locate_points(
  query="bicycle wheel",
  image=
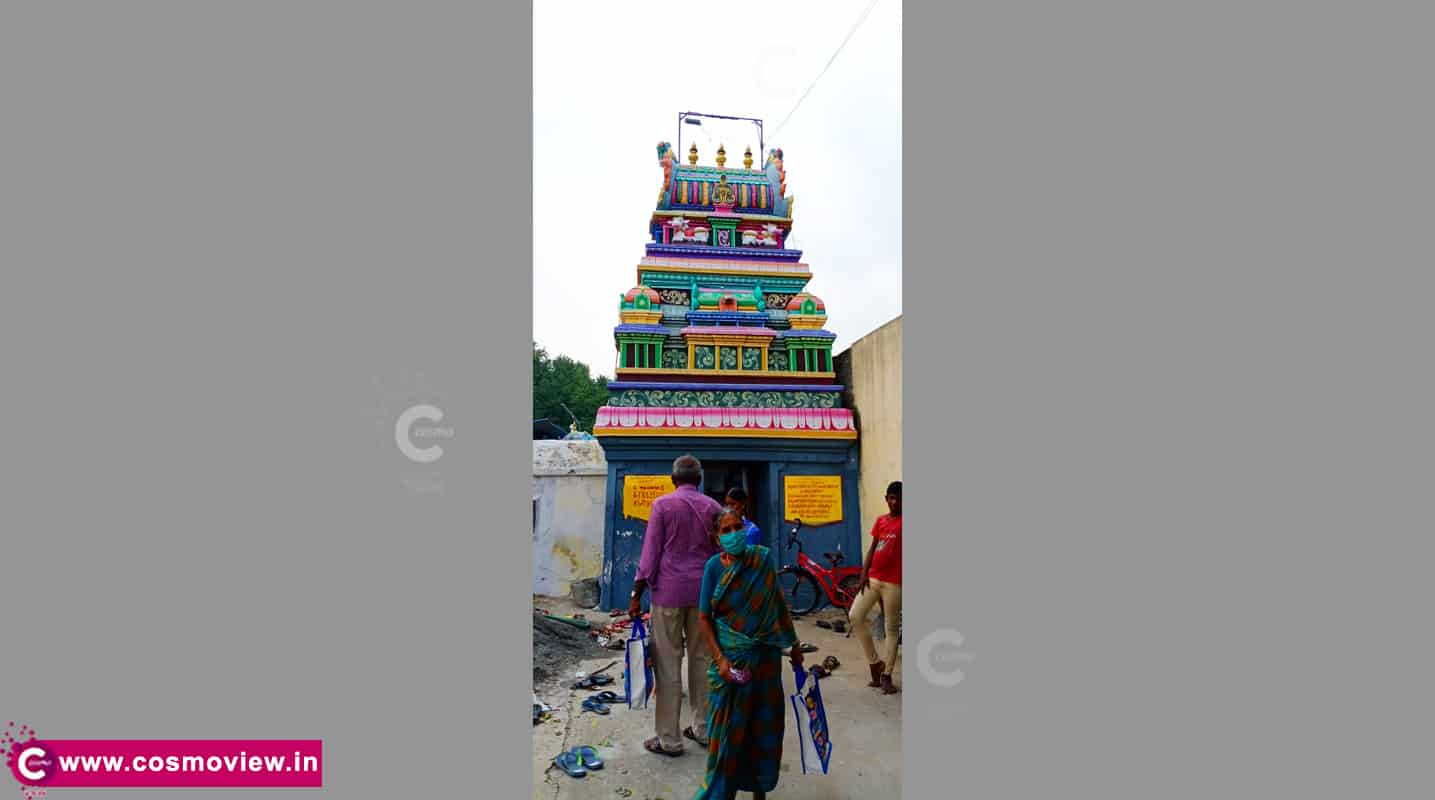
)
(800, 589)
(849, 585)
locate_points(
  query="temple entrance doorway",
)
(751, 477)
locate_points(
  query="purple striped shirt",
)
(676, 547)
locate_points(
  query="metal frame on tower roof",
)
(684, 115)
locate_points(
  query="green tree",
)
(559, 380)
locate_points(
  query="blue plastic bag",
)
(638, 673)
(815, 745)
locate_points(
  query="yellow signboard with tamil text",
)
(639, 492)
(814, 499)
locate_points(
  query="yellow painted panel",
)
(639, 492)
(814, 499)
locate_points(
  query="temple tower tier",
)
(722, 352)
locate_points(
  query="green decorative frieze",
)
(727, 357)
(751, 358)
(687, 398)
(777, 361)
(675, 359)
(703, 357)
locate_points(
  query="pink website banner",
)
(160, 763)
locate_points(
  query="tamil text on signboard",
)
(639, 492)
(814, 499)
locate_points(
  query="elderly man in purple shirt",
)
(676, 548)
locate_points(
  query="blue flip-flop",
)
(610, 698)
(587, 756)
(595, 705)
(571, 764)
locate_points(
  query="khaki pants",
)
(674, 631)
(891, 596)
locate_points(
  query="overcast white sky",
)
(608, 82)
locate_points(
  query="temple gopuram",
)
(723, 352)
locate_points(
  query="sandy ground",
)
(866, 737)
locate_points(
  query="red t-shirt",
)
(887, 559)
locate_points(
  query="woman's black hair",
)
(737, 494)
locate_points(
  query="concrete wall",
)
(871, 371)
(569, 488)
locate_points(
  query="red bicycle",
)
(805, 584)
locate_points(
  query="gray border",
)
(1169, 398)
(1181, 440)
(238, 239)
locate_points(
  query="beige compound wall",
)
(872, 371)
(570, 480)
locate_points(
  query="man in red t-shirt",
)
(882, 581)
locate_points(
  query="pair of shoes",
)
(578, 761)
(593, 682)
(599, 703)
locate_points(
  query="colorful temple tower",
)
(722, 353)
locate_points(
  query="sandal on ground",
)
(609, 698)
(594, 705)
(654, 746)
(571, 764)
(807, 647)
(593, 682)
(822, 623)
(831, 663)
(587, 756)
(688, 732)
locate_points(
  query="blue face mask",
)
(735, 543)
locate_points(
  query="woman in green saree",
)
(747, 625)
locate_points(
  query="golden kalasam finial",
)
(693, 154)
(747, 158)
(722, 156)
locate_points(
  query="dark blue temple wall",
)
(623, 537)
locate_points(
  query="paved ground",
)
(866, 736)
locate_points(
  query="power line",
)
(860, 20)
